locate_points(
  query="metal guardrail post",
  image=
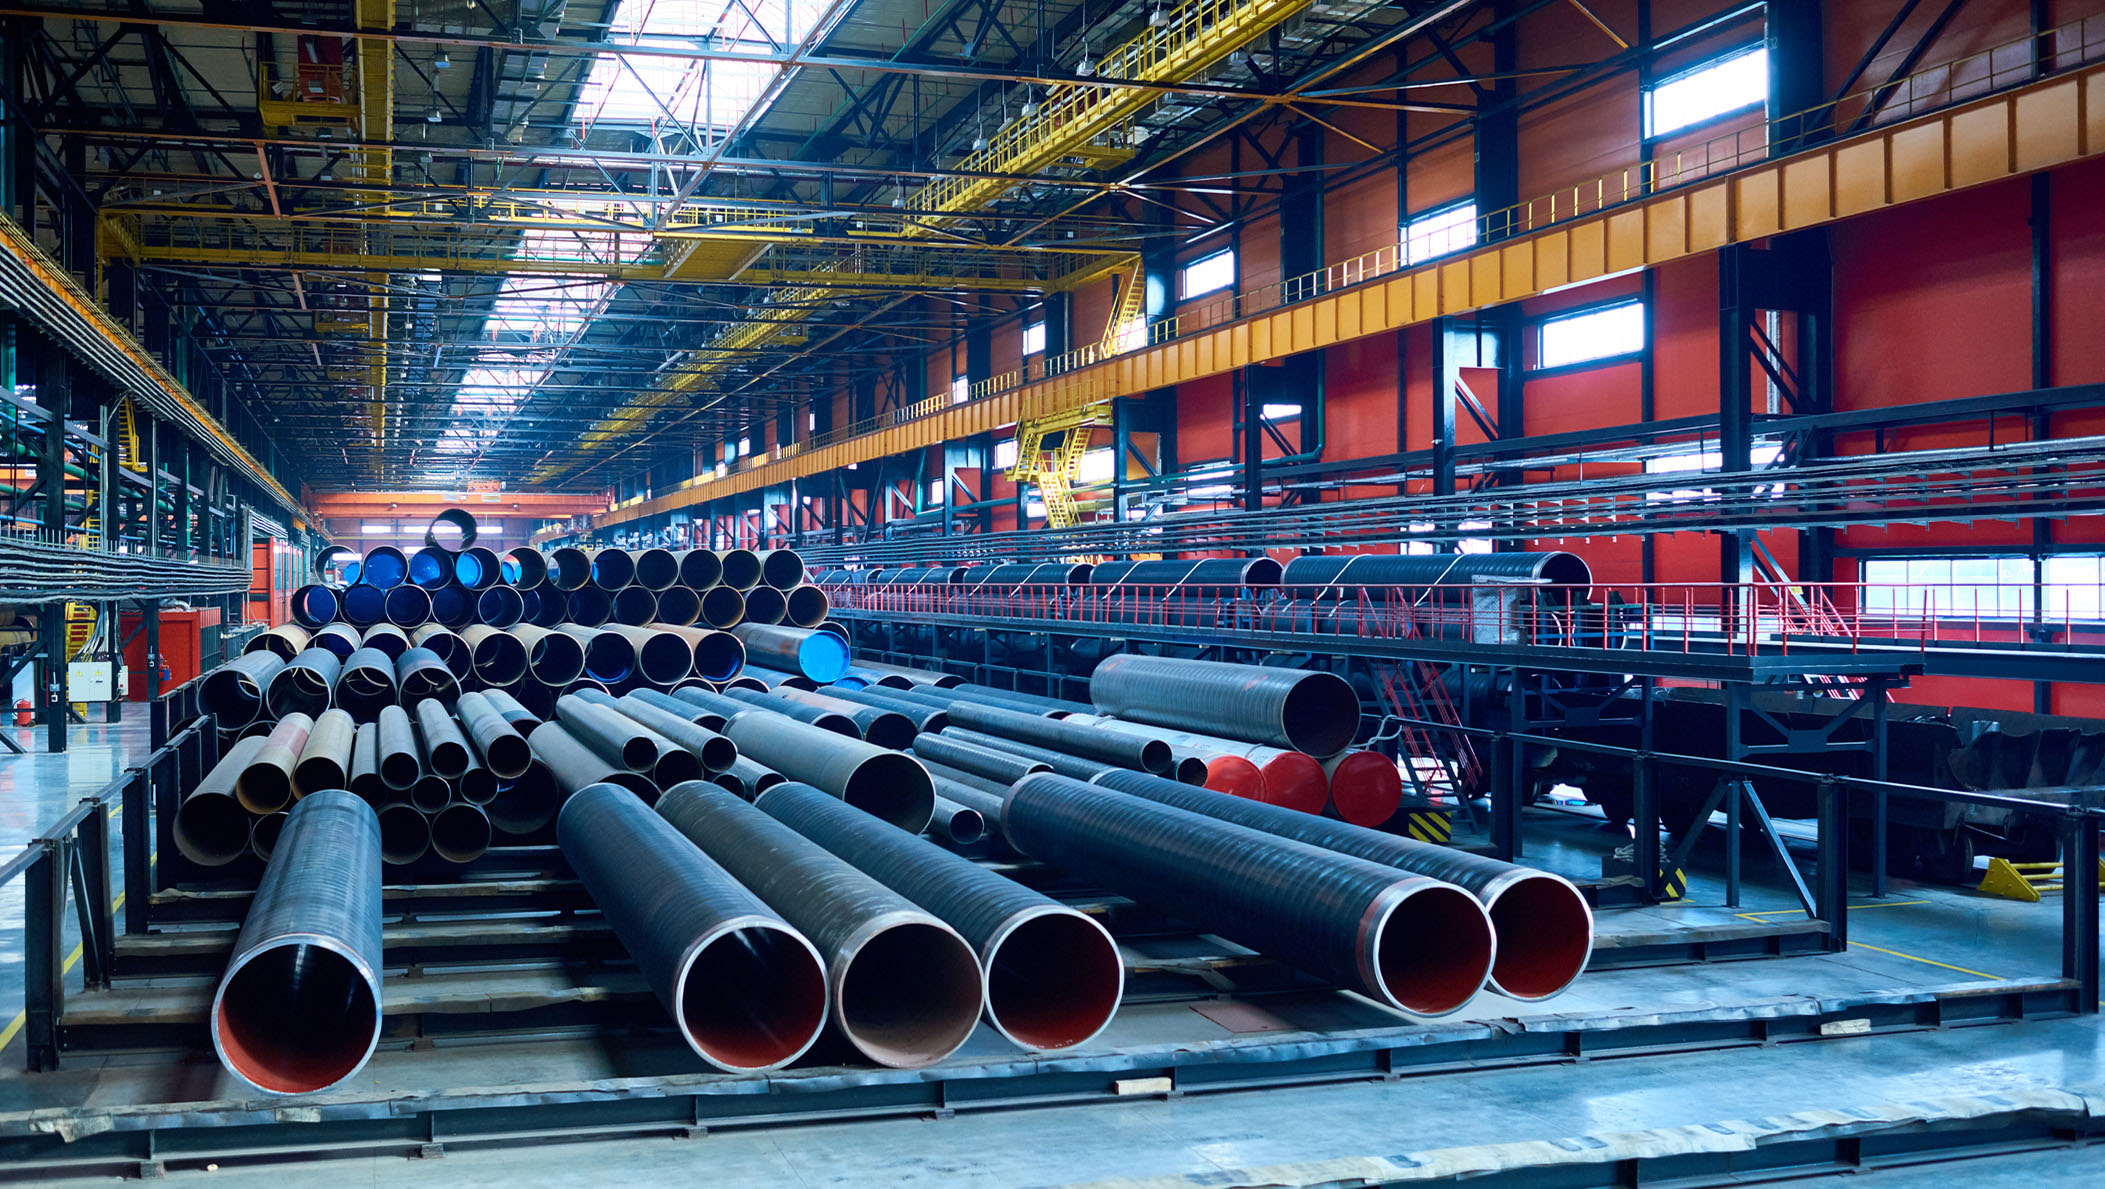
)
(1734, 790)
(2079, 908)
(92, 894)
(157, 723)
(1505, 798)
(43, 931)
(1644, 825)
(1831, 887)
(163, 778)
(135, 816)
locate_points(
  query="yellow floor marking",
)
(1927, 961)
(14, 1026)
(1783, 912)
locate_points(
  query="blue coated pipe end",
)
(364, 605)
(823, 657)
(468, 570)
(385, 567)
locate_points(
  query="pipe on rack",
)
(366, 684)
(387, 638)
(612, 569)
(722, 606)
(450, 647)
(325, 760)
(339, 638)
(615, 735)
(715, 751)
(365, 765)
(662, 657)
(745, 989)
(478, 567)
(987, 762)
(1306, 710)
(1291, 778)
(700, 569)
(284, 641)
(234, 691)
(776, 679)
(553, 657)
(872, 679)
(399, 764)
(1053, 975)
(211, 825)
(780, 568)
(502, 749)
(738, 569)
(405, 834)
(821, 656)
(445, 748)
(609, 655)
(1089, 743)
(314, 605)
(707, 717)
(917, 676)
(298, 1009)
(1073, 767)
(500, 606)
(1366, 788)
(1046, 705)
(527, 803)
(460, 833)
(1408, 941)
(679, 606)
(572, 569)
(1543, 923)
(905, 988)
(265, 786)
(303, 686)
(575, 765)
(420, 676)
(1440, 577)
(825, 720)
(495, 656)
(886, 784)
(453, 606)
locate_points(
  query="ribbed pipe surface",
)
(1004, 767)
(1074, 767)
(886, 784)
(1306, 710)
(1090, 743)
(575, 765)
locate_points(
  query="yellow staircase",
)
(2025, 881)
(1054, 474)
(129, 455)
(1132, 286)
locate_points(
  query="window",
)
(1436, 233)
(1095, 468)
(1274, 412)
(745, 447)
(1034, 338)
(375, 530)
(1717, 87)
(935, 493)
(960, 390)
(1131, 336)
(2000, 587)
(1605, 332)
(672, 90)
(1209, 273)
(811, 421)
(1004, 454)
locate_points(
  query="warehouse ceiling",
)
(432, 241)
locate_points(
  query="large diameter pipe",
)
(387, 638)
(885, 728)
(776, 679)
(431, 567)
(612, 569)
(780, 568)
(1291, 778)
(589, 606)
(745, 989)
(500, 607)
(1053, 975)
(285, 641)
(609, 655)
(445, 748)
(805, 606)
(1407, 941)
(662, 657)
(233, 693)
(1074, 767)
(905, 988)
(339, 638)
(298, 1009)
(715, 751)
(747, 778)
(657, 569)
(1366, 788)
(325, 761)
(451, 648)
(572, 569)
(821, 656)
(765, 605)
(722, 606)
(615, 735)
(366, 684)
(1046, 705)
(924, 718)
(1003, 767)
(495, 656)
(553, 657)
(408, 606)
(305, 685)
(405, 834)
(679, 606)
(211, 826)
(453, 606)
(1109, 747)
(700, 569)
(1302, 709)
(399, 762)
(825, 720)
(739, 568)
(525, 567)
(633, 606)
(478, 567)
(1543, 923)
(265, 786)
(709, 717)
(364, 605)
(575, 765)
(716, 656)
(514, 712)
(460, 833)
(887, 784)
(917, 676)
(527, 803)
(421, 676)
(384, 567)
(503, 749)
(314, 605)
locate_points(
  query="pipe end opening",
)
(295, 1018)
(752, 998)
(895, 787)
(1545, 937)
(1054, 981)
(1433, 950)
(911, 995)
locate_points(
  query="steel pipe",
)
(716, 656)
(445, 747)
(304, 685)
(450, 648)
(460, 833)
(825, 720)
(572, 569)
(431, 792)
(420, 675)
(298, 1009)
(678, 606)
(397, 742)
(747, 778)
(1053, 975)
(722, 607)
(1006, 768)
(700, 569)
(885, 728)
(387, 638)
(743, 682)
(526, 804)
(1291, 778)
(765, 605)
(715, 751)
(365, 765)
(575, 765)
(609, 655)
(739, 568)
(407, 606)
(514, 712)
(662, 657)
(821, 656)
(887, 784)
(1366, 788)
(872, 679)
(363, 605)
(923, 718)
(1305, 710)
(476, 786)
(1543, 923)
(553, 657)
(1441, 577)
(263, 833)
(745, 989)
(806, 606)
(589, 606)
(495, 656)
(431, 567)
(211, 825)
(656, 569)
(405, 834)
(314, 605)
(453, 606)
(708, 717)
(905, 988)
(549, 606)
(339, 638)
(366, 684)
(612, 569)
(502, 749)
(1407, 941)
(961, 824)
(265, 786)
(384, 567)
(500, 607)
(917, 676)
(780, 568)
(525, 567)
(1089, 743)
(1074, 767)
(325, 759)
(625, 741)
(955, 782)
(634, 606)
(477, 567)
(284, 641)
(776, 679)
(1045, 704)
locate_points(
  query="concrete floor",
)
(1916, 936)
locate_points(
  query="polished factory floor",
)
(1916, 936)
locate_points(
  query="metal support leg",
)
(2079, 909)
(1644, 826)
(1734, 791)
(93, 897)
(44, 898)
(137, 813)
(1831, 882)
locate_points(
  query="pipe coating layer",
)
(1306, 710)
(886, 784)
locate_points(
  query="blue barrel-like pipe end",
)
(823, 656)
(313, 606)
(467, 569)
(385, 566)
(364, 605)
(430, 568)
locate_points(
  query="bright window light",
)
(674, 92)
(1709, 458)
(960, 390)
(1004, 454)
(1095, 468)
(1962, 587)
(1436, 233)
(1209, 273)
(1607, 332)
(1282, 412)
(935, 493)
(1473, 544)
(1130, 337)
(1034, 338)
(1718, 87)
(1034, 507)
(811, 422)
(1212, 491)
(745, 447)
(375, 530)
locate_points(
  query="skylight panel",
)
(716, 94)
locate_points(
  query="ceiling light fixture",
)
(441, 61)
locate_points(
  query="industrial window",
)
(1004, 454)
(1095, 468)
(1130, 336)
(672, 90)
(1209, 273)
(1436, 233)
(1998, 587)
(1718, 87)
(375, 530)
(960, 390)
(1034, 338)
(811, 421)
(1282, 412)
(1604, 332)
(745, 447)
(935, 493)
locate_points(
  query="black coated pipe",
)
(453, 606)
(1089, 743)
(885, 728)
(700, 569)
(1437, 576)
(715, 751)
(211, 827)
(529, 802)
(1045, 704)
(722, 606)
(765, 605)
(263, 834)
(887, 784)
(872, 679)
(747, 778)
(325, 761)
(1412, 943)
(553, 657)
(407, 606)
(609, 656)
(961, 824)
(1543, 924)
(387, 638)
(825, 720)
(1004, 767)
(450, 647)
(339, 638)
(233, 693)
(420, 676)
(924, 718)
(1073, 767)
(503, 750)
(739, 568)
(590, 606)
(745, 989)
(657, 569)
(365, 765)
(705, 716)
(266, 785)
(405, 834)
(303, 686)
(776, 679)
(526, 567)
(1306, 710)
(399, 763)
(821, 656)
(949, 782)
(928, 695)
(633, 605)
(679, 606)
(500, 607)
(905, 988)
(366, 684)
(460, 833)
(1053, 975)
(445, 748)
(661, 657)
(298, 1009)
(575, 765)
(616, 737)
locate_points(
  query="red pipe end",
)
(1296, 781)
(1366, 788)
(1236, 777)
(1545, 936)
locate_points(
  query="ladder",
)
(1054, 474)
(1131, 289)
(129, 455)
